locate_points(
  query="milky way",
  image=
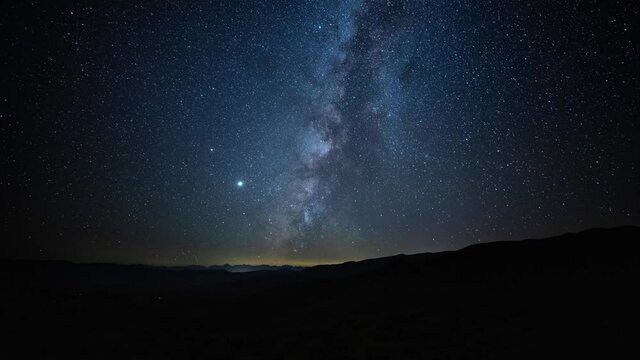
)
(364, 52)
(313, 131)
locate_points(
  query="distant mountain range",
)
(240, 268)
(569, 296)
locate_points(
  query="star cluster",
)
(305, 132)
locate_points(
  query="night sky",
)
(305, 132)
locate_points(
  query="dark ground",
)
(570, 296)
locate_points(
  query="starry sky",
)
(306, 132)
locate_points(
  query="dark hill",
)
(569, 296)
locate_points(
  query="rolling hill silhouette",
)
(573, 295)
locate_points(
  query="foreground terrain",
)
(572, 295)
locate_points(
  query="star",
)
(240, 183)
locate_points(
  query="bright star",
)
(240, 183)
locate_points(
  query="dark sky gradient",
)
(357, 128)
